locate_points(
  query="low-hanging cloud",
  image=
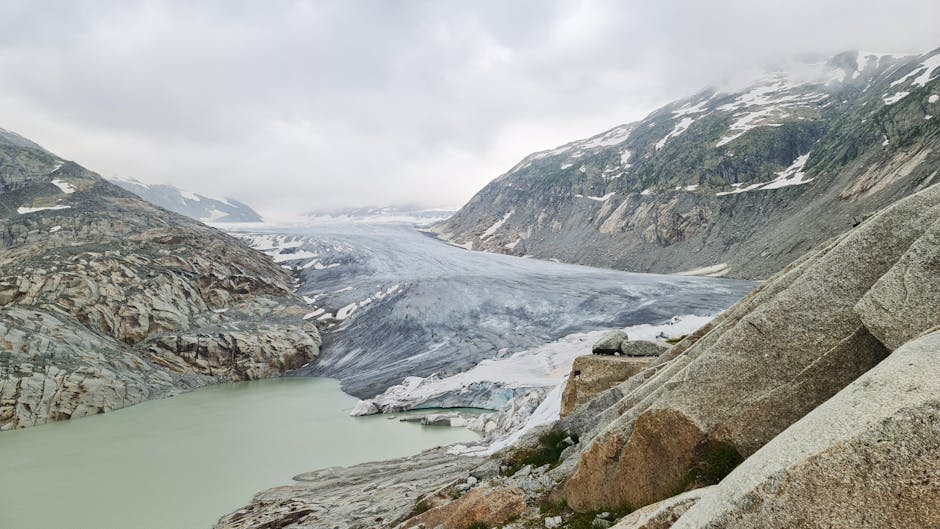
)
(300, 105)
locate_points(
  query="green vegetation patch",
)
(548, 452)
(578, 520)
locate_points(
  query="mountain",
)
(382, 214)
(736, 183)
(194, 206)
(107, 300)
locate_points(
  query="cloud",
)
(296, 105)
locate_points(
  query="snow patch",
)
(598, 199)
(497, 225)
(717, 270)
(55, 229)
(892, 99)
(680, 127)
(924, 72)
(791, 176)
(611, 137)
(64, 186)
(314, 314)
(626, 154)
(544, 366)
(348, 310)
(933, 98)
(24, 210)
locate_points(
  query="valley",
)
(394, 302)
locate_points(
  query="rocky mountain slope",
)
(192, 205)
(107, 300)
(813, 402)
(735, 183)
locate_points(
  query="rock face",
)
(736, 184)
(868, 457)
(766, 362)
(486, 505)
(361, 497)
(593, 374)
(106, 300)
(663, 514)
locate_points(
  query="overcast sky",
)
(300, 105)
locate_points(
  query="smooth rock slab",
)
(593, 374)
(868, 457)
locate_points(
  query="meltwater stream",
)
(185, 461)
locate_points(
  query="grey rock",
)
(107, 300)
(642, 348)
(767, 362)
(610, 343)
(904, 301)
(868, 457)
(367, 496)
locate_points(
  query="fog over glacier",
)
(398, 303)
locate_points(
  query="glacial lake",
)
(183, 462)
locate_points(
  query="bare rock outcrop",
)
(485, 505)
(663, 514)
(107, 300)
(366, 496)
(767, 362)
(593, 374)
(868, 457)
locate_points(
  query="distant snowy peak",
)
(199, 207)
(807, 91)
(383, 214)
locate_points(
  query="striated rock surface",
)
(486, 505)
(663, 514)
(766, 362)
(868, 457)
(107, 300)
(735, 184)
(593, 374)
(366, 496)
